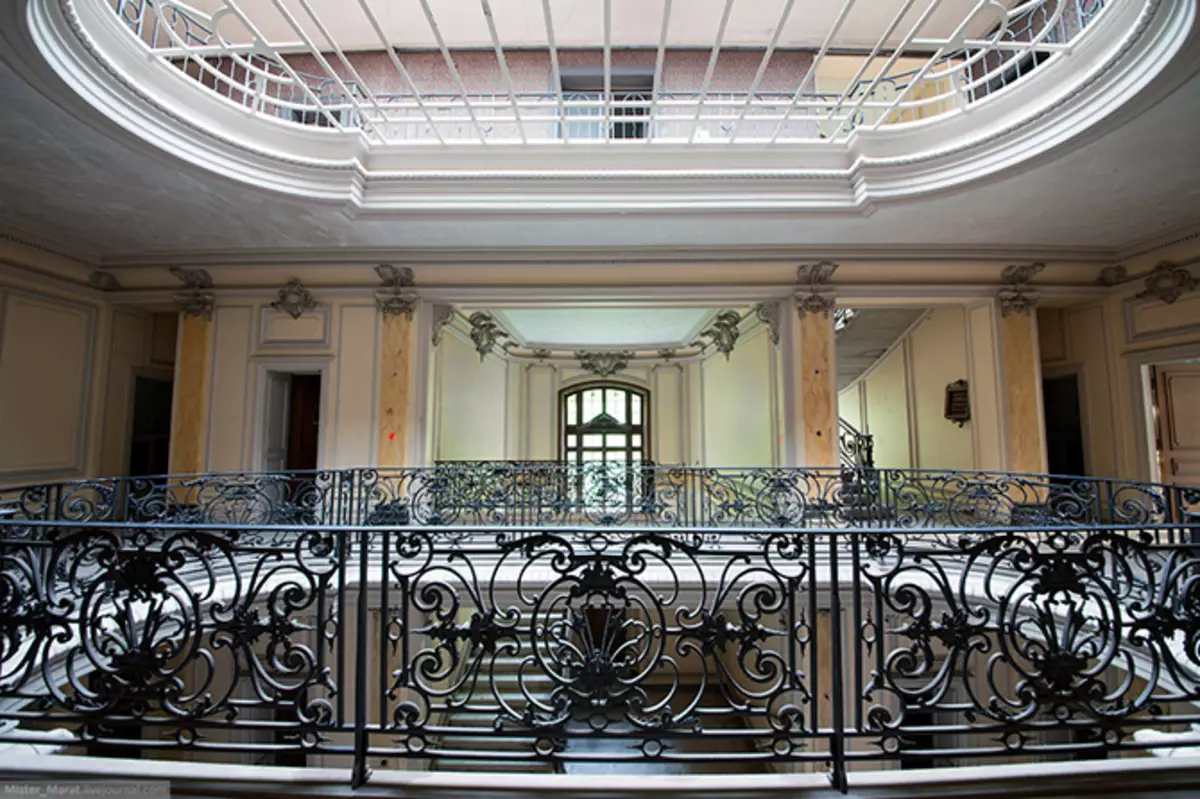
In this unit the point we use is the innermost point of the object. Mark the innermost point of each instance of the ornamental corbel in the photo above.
(818, 298)
(722, 332)
(195, 299)
(103, 281)
(397, 295)
(1168, 282)
(603, 364)
(770, 314)
(294, 299)
(443, 315)
(1018, 295)
(486, 333)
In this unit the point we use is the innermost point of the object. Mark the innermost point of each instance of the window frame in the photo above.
(645, 426)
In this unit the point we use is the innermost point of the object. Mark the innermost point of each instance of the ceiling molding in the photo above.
(77, 53)
(1159, 241)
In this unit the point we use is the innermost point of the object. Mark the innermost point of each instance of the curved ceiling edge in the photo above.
(85, 63)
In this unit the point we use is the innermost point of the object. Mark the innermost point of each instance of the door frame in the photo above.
(302, 365)
(1073, 370)
(1139, 364)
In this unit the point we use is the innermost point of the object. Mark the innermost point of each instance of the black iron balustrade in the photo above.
(855, 449)
(615, 495)
(831, 648)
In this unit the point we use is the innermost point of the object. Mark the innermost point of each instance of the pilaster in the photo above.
(1022, 395)
(189, 407)
(395, 400)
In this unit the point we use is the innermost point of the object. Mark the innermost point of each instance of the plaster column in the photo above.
(189, 405)
(1025, 445)
(395, 399)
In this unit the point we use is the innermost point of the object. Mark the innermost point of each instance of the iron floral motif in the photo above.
(397, 295)
(486, 333)
(1168, 282)
(1019, 297)
(294, 299)
(603, 364)
(722, 332)
(818, 299)
(195, 299)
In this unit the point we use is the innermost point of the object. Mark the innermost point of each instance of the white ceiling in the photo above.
(566, 328)
(580, 23)
(66, 181)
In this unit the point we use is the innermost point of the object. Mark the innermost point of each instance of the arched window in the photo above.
(605, 423)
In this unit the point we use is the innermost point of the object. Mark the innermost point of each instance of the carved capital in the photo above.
(397, 295)
(815, 297)
(603, 364)
(668, 354)
(294, 299)
(1168, 282)
(395, 276)
(195, 299)
(1019, 296)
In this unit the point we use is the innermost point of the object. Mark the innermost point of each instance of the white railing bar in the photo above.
(762, 67)
(810, 73)
(449, 60)
(219, 50)
(920, 74)
(505, 75)
(656, 88)
(555, 70)
(1011, 44)
(607, 70)
(337, 49)
(291, 20)
(712, 67)
(881, 74)
(400, 69)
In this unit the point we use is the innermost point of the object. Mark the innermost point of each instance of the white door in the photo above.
(275, 423)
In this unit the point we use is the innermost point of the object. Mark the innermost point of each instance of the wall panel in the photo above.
(230, 409)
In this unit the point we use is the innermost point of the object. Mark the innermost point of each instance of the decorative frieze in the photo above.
(603, 364)
(294, 299)
(397, 295)
(1018, 295)
(486, 333)
(818, 298)
(195, 299)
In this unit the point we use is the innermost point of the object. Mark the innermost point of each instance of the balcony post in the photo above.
(193, 378)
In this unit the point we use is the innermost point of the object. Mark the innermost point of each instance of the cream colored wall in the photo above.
(470, 411)
(533, 395)
(339, 339)
(740, 405)
(902, 397)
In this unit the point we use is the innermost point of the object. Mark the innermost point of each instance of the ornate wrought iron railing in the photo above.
(400, 647)
(855, 448)
(542, 494)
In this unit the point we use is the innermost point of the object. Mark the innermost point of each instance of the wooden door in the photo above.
(1178, 389)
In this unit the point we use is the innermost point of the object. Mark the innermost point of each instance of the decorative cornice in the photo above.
(397, 296)
(1018, 296)
(819, 298)
(722, 332)
(294, 299)
(540, 353)
(668, 354)
(486, 333)
(195, 299)
(443, 315)
(1113, 275)
(1168, 282)
(603, 364)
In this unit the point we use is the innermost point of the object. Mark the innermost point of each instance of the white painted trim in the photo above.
(292, 364)
(1138, 363)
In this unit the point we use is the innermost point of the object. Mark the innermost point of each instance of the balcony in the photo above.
(760, 76)
(539, 617)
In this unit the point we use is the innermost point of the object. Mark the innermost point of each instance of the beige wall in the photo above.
(741, 405)
(902, 397)
(470, 413)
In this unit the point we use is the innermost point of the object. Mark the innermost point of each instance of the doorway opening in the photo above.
(150, 439)
(292, 426)
(1174, 394)
(1064, 426)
